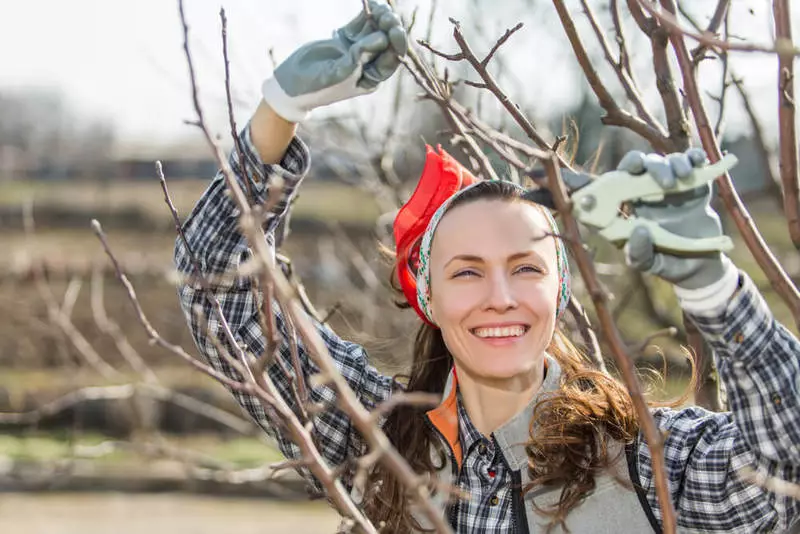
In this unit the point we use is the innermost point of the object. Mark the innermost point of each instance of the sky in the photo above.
(122, 60)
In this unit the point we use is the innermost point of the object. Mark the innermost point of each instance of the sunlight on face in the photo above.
(494, 285)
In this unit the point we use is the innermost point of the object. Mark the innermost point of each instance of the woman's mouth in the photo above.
(500, 332)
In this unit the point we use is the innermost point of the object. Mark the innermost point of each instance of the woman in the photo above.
(533, 435)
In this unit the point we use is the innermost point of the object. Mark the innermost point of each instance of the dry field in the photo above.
(159, 513)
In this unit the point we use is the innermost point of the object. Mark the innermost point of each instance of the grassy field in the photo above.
(327, 201)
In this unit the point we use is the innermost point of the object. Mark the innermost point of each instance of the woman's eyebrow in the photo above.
(472, 258)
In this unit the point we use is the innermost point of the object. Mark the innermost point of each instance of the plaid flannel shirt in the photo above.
(757, 360)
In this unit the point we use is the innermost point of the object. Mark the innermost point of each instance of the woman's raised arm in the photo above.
(353, 62)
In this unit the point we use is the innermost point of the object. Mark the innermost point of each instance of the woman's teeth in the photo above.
(505, 331)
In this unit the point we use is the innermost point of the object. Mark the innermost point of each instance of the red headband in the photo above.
(441, 178)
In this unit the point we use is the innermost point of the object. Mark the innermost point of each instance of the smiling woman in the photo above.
(534, 438)
(492, 280)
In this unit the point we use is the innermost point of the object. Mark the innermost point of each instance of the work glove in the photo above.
(353, 62)
(702, 281)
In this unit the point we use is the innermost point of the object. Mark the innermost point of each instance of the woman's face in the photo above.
(494, 285)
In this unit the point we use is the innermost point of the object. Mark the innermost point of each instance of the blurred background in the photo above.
(100, 430)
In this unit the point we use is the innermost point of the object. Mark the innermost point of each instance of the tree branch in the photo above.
(621, 69)
(624, 362)
(781, 10)
(614, 114)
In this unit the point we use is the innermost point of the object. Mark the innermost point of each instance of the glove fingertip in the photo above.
(632, 162)
(639, 250)
(398, 39)
(681, 165)
(697, 156)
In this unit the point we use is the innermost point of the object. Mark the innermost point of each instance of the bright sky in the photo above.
(123, 59)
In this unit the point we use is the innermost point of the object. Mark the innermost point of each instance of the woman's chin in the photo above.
(505, 371)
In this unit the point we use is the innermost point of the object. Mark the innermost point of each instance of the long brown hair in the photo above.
(570, 429)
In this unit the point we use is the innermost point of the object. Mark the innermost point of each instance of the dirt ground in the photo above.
(154, 514)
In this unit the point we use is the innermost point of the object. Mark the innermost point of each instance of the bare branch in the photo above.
(721, 13)
(614, 114)
(234, 129)
(786, 119)
(772, 484)
(62, 320)
(500, 43)
(667, 18)
(620, 69)
(588, 334)
(112, 330)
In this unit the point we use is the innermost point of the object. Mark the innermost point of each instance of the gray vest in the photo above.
(612, 508)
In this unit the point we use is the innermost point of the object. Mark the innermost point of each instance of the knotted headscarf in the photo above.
(443, 180)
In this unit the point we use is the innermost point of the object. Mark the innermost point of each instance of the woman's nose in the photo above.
(500, 295)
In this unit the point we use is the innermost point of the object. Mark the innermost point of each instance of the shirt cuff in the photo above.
(742, 327)
(712, 298)
(290, 171)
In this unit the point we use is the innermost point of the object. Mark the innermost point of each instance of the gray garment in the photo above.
(612, 508)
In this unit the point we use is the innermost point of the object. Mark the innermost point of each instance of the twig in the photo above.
(112, 330)
(414, 398)
(588, 334)
(433, 88)
(57, 315)
(665, 332)
(619, 37)
(667, 18)
(499, 43)
(770, 483)
(724, 85)
(621, 69)
(721, 13)
(231, 119)
(786, 117)
(614, 114)
(468, 55)
(624, 362)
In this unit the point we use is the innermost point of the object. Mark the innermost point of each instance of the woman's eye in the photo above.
(466, 273)
(527, 269)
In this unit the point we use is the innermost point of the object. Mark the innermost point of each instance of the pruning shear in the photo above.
(597, 203)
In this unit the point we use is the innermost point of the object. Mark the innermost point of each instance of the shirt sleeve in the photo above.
(219, 249)
(708, 453)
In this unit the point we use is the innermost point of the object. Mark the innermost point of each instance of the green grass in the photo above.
(241, 452)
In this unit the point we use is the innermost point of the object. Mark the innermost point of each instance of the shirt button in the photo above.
(494, 500)
(482, 448)
(738, 337)
(776, 399)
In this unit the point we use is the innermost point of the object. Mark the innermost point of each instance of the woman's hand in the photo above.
(353, 62)
(687, 214)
